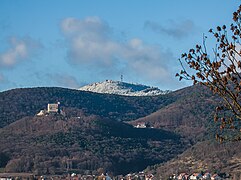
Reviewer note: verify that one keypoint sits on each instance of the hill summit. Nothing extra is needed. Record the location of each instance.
(123, 88)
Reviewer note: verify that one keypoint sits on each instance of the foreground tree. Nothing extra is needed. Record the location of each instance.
(220, 71)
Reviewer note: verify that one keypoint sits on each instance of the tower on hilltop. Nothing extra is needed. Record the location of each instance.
(121, 78)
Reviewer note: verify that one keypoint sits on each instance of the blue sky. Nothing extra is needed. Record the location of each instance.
(70, 43)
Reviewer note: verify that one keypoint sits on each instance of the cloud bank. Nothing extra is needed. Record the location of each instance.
(20, 49)
(177, 30)
(91, 44)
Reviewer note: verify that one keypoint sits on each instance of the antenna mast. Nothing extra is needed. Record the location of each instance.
(121, 78)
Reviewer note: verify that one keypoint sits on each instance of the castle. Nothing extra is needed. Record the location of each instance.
(52, 108)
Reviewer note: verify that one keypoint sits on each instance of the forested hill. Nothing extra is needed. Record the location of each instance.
(207, 156)
(49, 144)
(191, 114)
(92, 130)
(18, 103)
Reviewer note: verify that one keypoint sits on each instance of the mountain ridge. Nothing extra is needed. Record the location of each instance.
(123, 88)
(100, 120)
(18, 103)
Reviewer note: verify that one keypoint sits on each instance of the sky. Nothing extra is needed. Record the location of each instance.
(71, 43)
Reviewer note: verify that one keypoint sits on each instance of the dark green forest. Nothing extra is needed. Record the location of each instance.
(96, 130)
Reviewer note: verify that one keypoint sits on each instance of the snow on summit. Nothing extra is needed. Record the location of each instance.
(123, 88)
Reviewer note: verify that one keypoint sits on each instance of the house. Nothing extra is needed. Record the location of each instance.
(216, 177)
(183, 176)
(5, 178)
(149, 177)
(141, 125)
(11, 176)
(74, 176)
(88, 177)
(141, 175)
(195, 176)
(173, 176)
(101, 177)
(107, 177)
(129, 176)
(41, 113)
(207, 176)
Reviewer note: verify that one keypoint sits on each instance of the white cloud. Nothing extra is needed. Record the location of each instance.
(177, 30)
(91, 43)
(20, 49)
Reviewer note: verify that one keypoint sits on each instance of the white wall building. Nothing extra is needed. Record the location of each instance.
(54, 108)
